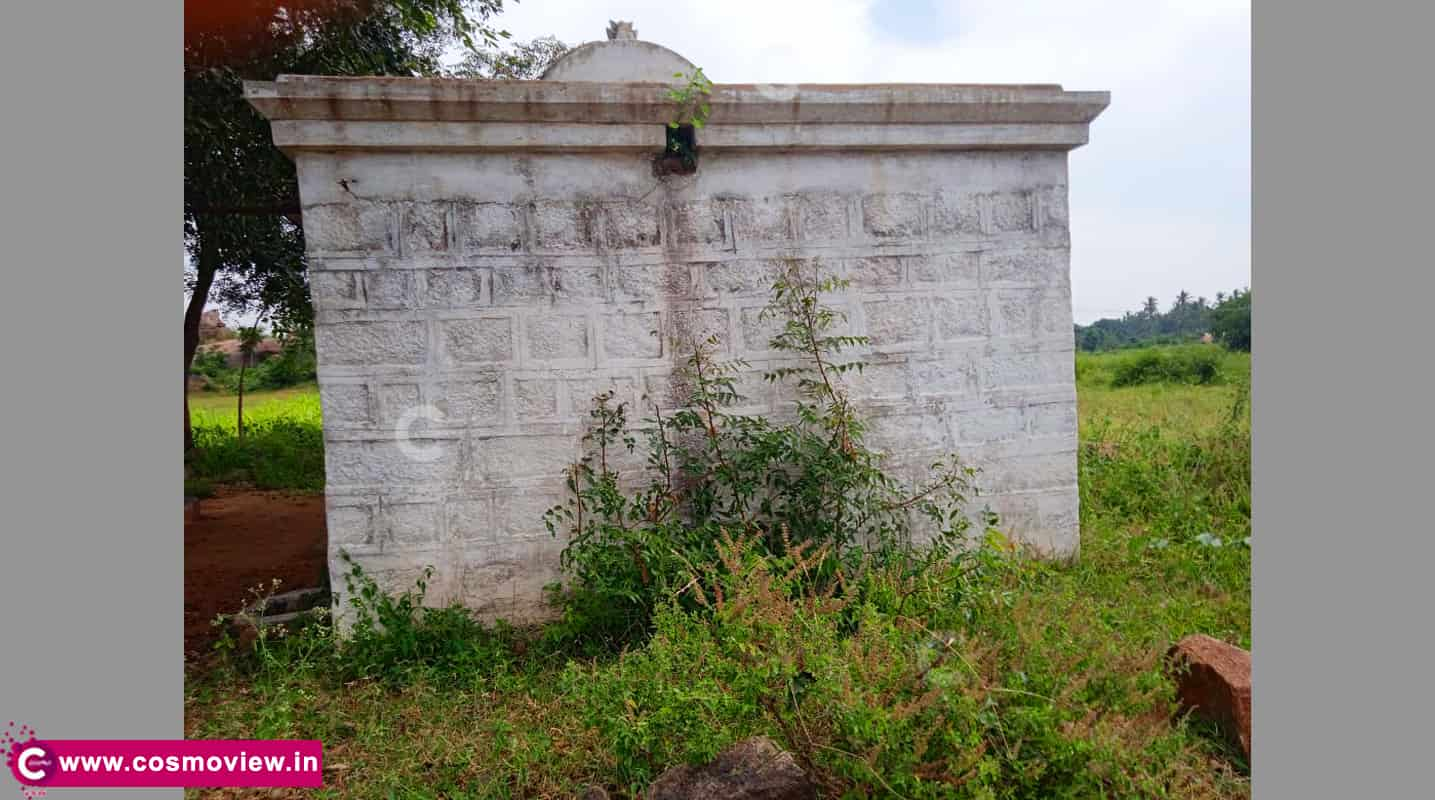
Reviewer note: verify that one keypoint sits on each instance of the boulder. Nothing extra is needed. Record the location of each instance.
(753, 769)
(212, 328)
(1213, 681)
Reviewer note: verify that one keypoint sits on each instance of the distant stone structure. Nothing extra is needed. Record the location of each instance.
(487, 255)
(212, 328)
(216, 337)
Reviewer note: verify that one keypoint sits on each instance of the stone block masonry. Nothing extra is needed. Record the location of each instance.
(486, 256)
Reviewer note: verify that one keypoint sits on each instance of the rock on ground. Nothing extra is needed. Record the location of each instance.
(753, 769)
(1213, 681)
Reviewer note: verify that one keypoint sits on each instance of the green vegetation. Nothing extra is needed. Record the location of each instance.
(804, 490)
(1231, 321)
(1194, 364)
(1228, 320)
(241, 194)
(283, 444)
(293, 365)
(985, 674)
(282, 440)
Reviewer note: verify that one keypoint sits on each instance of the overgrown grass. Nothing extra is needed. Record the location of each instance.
(1004, 678)
(1194, 364)
(283, 444)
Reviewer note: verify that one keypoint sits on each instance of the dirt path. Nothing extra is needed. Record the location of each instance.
(243, 538)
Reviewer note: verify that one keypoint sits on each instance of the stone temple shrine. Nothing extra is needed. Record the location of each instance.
(485, 256)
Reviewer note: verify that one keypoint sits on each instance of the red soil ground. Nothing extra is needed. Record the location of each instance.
(240, 539)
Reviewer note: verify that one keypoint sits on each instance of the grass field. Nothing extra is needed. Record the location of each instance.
(283, 445)
(217, 406)
(1051, 683)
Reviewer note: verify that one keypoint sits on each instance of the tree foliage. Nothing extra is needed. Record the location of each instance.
(242, 226)
(521, 61)
(241, 204)
(1231, 321)
(1187, 320)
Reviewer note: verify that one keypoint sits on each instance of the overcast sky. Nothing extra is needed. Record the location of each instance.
(1160, 198)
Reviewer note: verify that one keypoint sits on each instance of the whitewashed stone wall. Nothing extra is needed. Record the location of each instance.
(503, 288)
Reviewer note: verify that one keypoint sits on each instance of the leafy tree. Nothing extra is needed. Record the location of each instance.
(523, 61)
(242, 226)
(1231, 321)
(1186, 320)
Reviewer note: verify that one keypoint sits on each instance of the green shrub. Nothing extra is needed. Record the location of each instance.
(282, 448)
(212, 365)
(393, 639)
(928, 692)
(294, 364)
(396, 639)
(808, 484)
(1191, 364)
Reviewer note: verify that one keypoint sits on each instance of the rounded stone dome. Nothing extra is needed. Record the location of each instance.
(623, 57)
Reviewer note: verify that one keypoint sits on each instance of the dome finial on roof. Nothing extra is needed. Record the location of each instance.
(621, 30)
(622, 57)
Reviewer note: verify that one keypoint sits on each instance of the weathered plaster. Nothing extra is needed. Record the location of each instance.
(500, 251)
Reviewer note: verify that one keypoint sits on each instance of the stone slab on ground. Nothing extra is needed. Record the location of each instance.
(753, 769)
(1213, 681)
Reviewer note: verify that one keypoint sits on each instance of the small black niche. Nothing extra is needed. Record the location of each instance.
(680, 154)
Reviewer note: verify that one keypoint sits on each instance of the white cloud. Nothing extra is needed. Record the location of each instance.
(1160, 197)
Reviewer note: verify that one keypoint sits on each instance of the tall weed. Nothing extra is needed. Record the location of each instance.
(810, 481)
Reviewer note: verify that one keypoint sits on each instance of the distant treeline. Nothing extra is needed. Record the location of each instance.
(1228, 320)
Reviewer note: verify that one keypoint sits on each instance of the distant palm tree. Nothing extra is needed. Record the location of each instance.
(249, 339)
(1183, 298)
